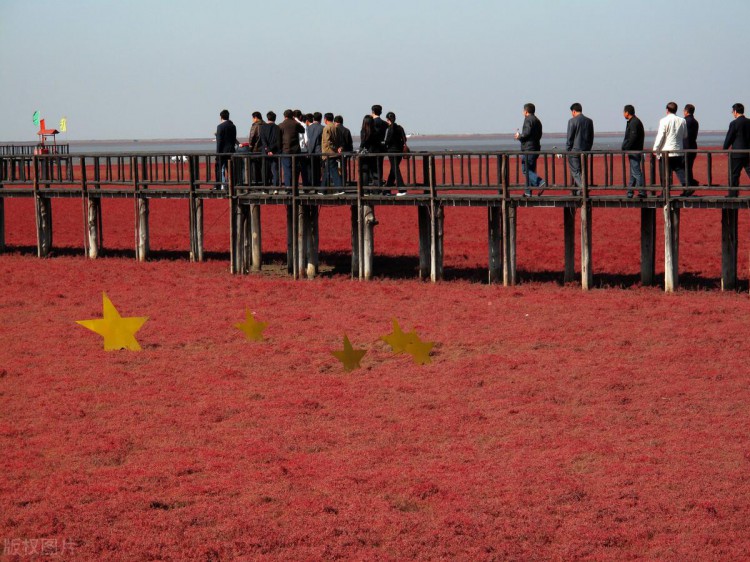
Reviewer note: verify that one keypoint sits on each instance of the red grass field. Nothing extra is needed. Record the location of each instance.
(551, 424)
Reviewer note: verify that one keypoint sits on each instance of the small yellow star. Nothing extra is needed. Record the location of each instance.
(397, 339)
(252, 329)
(420, 351)
(118, 332)
(349, 356)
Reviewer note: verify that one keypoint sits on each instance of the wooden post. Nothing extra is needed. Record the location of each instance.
(671, 247)
(290, 233)
(355, 241)
(648, 246)
(247, 250)
(509, 243)
(569, 234)
(313, 240)
(436, 243)
(195, 211)
(423, 216)
(255, 233)
(587, 274)
(728, 249)
(303, 234)
(94, 218)
(43, 207)
(368, 246)
(495, 237)
(142, 212)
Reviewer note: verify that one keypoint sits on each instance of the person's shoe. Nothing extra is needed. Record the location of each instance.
(401, 194)
(541, 186)
(339, 193)
(629, 194)
(575, 192)
(688, 192)
(527, 193)
(642, 193)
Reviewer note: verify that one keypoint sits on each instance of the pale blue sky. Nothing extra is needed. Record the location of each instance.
(164, 69)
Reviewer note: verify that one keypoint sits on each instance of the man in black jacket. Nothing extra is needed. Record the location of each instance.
(530, 137)
(738, 138)
(270, 145)
(690, 142)
(226, 140)
(379, 127)
(580, 139)
(634, 141)
(314, 138)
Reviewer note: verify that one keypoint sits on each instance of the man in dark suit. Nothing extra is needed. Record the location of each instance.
(580, 139)
(254, 145)
(347, 145)
(379, 127)
(270, 145)
(690, 142)
(531, 137)
(633, 140)
(738, 138)
(290, 131)
(226, 140)
(314, 138)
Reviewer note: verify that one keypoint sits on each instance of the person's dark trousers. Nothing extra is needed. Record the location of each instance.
(377, 169)
(303, 165)
(256, 172)
(636, 171)
(528, 163)
(332, 177)
(677, 166)
(690, 160)
(315, 171)
(221, 170)
(738, 163)
(270, 171)
(394, 176)
(574, 163)
(287, 171)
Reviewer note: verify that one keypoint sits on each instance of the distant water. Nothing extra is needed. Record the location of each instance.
(436, 143)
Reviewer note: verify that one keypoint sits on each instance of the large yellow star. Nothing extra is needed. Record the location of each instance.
(118, 332)
(420, 350)
(349, 356)
(397, 339)
(252, 329)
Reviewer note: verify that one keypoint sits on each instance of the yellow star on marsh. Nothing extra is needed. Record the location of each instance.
(420, 350)
(252, 329)
(118, 332)
(349, 356)
(397, 339)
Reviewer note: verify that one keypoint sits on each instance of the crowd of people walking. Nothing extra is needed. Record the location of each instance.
(312, 148)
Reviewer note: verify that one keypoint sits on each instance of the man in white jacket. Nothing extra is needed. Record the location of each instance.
(669, 137)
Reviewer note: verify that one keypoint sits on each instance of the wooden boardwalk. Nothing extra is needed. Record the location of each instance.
(433, 182)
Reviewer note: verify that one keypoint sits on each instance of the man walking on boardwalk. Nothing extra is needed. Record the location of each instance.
(226, 140)
(738, 138)
(331, 145)
(580, 139)
(633, 140)
(530, 137)
(379, 127)
(270, 144)
(691, 142)
(670, 136)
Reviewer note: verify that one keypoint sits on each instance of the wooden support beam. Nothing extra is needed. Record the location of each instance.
(368, 246)
(303, 238)
(436, 243)
(313, 240)
(290, 234)
(569, 236)
(246, 233)
(587, 274)
(648, 246)
(255, 233)
(355, 241)
(495, 243)
(728, 249)
(94, 225)
(671, 247)
(423, 216)
(142, 231)
(509, 243)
